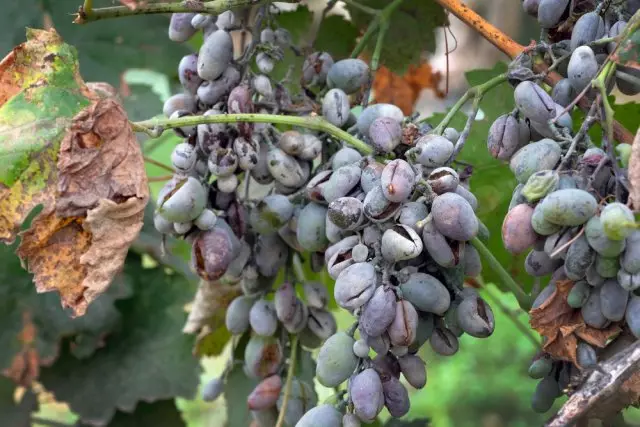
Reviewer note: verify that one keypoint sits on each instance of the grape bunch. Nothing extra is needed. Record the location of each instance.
(393, 225)
(569, 210)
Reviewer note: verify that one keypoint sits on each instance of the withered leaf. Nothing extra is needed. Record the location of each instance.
(207, 314)
(563, 325)
(72, 151)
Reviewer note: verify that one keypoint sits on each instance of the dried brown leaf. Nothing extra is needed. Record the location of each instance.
(71, 150)
(562, 325)
(78, 248)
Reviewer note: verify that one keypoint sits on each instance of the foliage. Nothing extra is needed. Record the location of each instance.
(125, 359)
(411, 30)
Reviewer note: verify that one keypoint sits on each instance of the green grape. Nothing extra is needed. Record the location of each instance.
(540, 367)
(336, 361)
(579, 294)
(427, 293)
(535, 157)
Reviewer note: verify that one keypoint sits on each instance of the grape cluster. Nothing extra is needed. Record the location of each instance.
(393, 229)
(569, 209)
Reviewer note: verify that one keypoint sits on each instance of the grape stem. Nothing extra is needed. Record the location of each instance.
(361, 7)
(584, 128)
(513, 49)
(162, 178)
(523, 299)
(156, 126)
(600, 83)
(298, 270)
(158, 164)
(87, 7)
(494, 298)
(289, 382)
(375, 61)
(88, 14)
(381, 18)
(476, 93)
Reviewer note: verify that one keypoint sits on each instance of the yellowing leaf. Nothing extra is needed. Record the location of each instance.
(72, 151)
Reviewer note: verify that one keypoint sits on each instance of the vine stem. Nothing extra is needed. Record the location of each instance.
(600, 83)
(476, 93)
(298, 270)
(511, 48)
(289, 383)
(381, 18)
(87, 7)
(495, 300)
(155, 127)
(158, 164)
(523, 299)
(88, 14)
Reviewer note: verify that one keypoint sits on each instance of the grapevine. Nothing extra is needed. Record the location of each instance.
(274, 177)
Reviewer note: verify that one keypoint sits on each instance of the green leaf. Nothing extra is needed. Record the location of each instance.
(236, 389)
(107, 48)
(162, 413)
(36, 115)
(628, 54)
(492, 181)
(12, 413)
(411, 31)
(19, 303)
(336, 36)
(148, 359)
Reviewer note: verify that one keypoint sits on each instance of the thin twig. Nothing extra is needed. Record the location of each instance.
(159, 178)
(157, 163)
(495, 300)
(567, 244)
(361, 7)
(375, 61)
(523, 299)
(462, 139)
(214, 7)
(362, 43)
(513, 49)
(475, 92)
(157, 126)
(298, 269)
(584, 128)
(289, 383)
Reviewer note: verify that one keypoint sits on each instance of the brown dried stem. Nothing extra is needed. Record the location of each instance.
(513, 49)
